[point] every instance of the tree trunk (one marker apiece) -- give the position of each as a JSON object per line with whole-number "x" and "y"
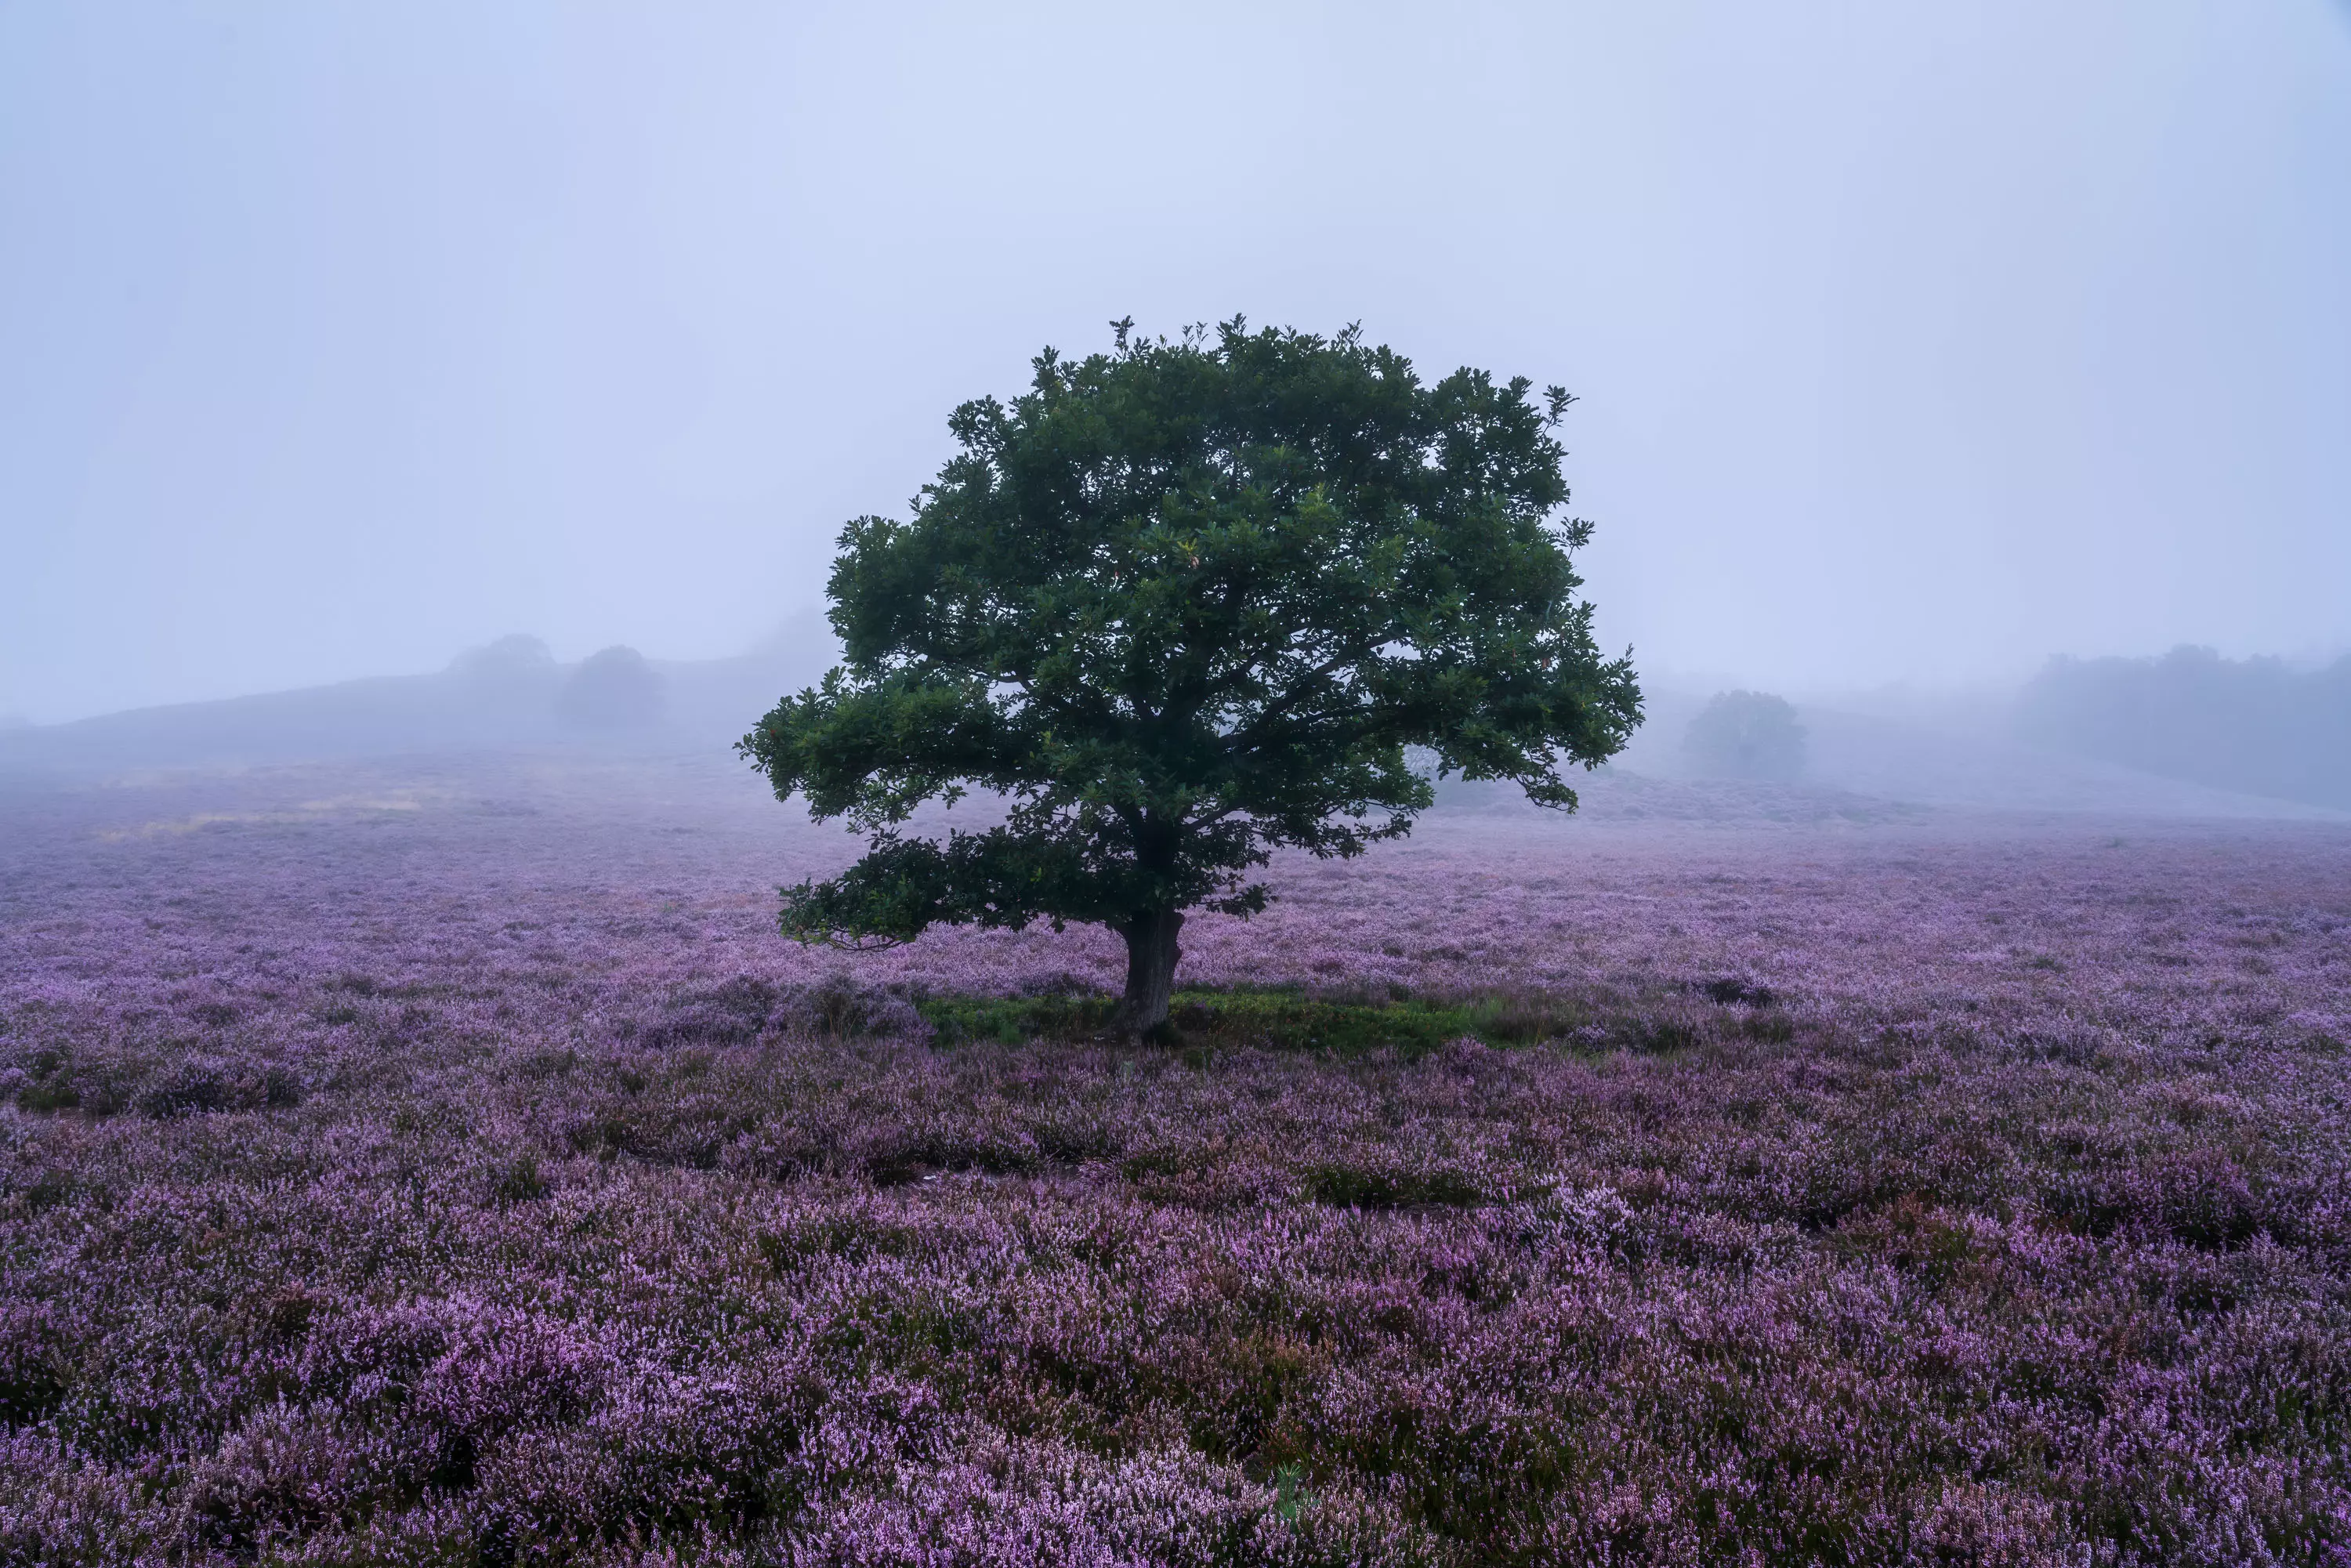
{"x": 1151, "y": 954}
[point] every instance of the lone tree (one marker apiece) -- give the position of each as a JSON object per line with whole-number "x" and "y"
{"x": 611, "y": 689}
{"x": 1746, "y": 735}
{"x": 1179, "y": 605}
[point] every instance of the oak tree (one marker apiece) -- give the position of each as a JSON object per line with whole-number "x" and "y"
{"x": 1179, "y": 605}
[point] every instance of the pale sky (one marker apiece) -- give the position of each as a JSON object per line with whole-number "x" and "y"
{"x": 1915, "y": 343}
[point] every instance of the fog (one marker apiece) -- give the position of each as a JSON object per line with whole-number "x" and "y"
{"x": 1916, "y": 345}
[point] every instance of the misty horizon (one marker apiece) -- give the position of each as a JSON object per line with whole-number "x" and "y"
{"x": 1897, "y": 695}
{"x": 1911, "y": 349}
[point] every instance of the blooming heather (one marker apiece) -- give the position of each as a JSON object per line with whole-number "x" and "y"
{"x": 450, "y": 1164}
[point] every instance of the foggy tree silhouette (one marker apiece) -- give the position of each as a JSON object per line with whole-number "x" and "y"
{"x": 518, "y": 658}
{"x": 613, "y": 689}
{"x": 1746, "y": 735}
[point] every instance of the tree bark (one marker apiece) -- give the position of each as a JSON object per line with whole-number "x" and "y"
{"x": 1151, "y": 955}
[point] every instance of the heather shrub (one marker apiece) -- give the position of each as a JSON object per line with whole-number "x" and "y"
{"x": 1389, "y": 1183}
{"x": 33, "y": 1376}
{"x": 1695, "y": 1201}
{"x": 835, "y": 1007}
{"x": 1261, "y": 1019}
{"x": 196, "y": 1085}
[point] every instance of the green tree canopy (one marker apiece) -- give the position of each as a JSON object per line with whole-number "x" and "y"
{"x": 1183, "y": 603}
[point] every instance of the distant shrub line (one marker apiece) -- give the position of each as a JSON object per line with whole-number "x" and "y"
{"x": 2255, "y": 725}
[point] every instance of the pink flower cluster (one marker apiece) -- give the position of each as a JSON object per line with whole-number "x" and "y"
{"x": 456, "y": 1168}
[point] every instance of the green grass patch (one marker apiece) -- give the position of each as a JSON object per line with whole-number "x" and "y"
{"x": 1267, "y": 1019}
{"x": 1355, "y": 1186}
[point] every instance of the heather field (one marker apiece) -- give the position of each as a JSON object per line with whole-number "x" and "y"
{"x": 445, "y": 1162}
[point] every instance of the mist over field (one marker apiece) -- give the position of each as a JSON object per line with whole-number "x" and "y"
{"x": 2192, "y": 735}
{"x": 1912, "y": 347}
{"x": 515, "y": 1048}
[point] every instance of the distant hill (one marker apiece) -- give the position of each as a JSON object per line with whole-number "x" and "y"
{"x": 2252, "y": 724}
{"x": 498, "y": 698}
{"x": 1976, "y": 751}
{"x": 2108, "y": 736}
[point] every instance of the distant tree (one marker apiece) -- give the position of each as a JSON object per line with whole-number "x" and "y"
{"x": 519, "y": 657}
{"x": 613, "y": 689}
{"x": 510, "y": 680}
{"x": 1181, "y": 604}
{"x": 1746, "y": 735}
